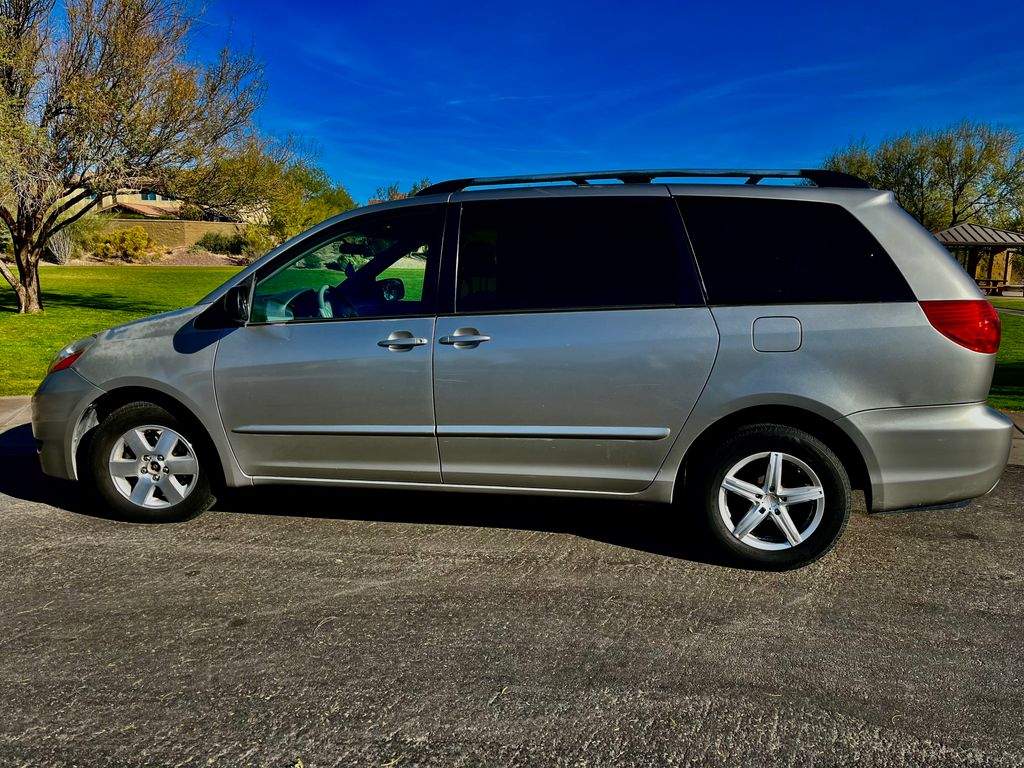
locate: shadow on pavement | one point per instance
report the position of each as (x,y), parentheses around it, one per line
(652,528)
(646,527)
(22,478)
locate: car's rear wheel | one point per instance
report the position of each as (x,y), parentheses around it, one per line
(144,465)
(773,496)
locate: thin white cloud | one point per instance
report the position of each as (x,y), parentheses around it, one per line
(495,98)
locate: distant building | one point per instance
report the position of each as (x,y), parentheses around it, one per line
(140,203)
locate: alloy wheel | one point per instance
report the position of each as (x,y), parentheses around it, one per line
(153,466)
(771,501)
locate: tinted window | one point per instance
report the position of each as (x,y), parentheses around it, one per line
(572,253)
(371,266)
(760,251)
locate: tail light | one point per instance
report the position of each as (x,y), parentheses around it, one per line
(971,323)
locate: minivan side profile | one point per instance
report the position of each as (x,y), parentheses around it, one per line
(748,353)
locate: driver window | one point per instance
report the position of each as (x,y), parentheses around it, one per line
(373,266)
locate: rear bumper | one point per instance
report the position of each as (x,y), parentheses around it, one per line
(930,455)
(57,408)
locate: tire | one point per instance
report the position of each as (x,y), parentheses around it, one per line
(177,485)
(786,533)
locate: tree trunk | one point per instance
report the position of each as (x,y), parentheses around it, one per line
(30,298)
(28,250)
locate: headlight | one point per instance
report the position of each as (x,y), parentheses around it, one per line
(70,353)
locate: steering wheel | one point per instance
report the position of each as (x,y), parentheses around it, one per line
(348,309)
(325,306)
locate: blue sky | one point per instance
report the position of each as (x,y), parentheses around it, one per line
(393,91)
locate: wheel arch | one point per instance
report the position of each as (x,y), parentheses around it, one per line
(110,401)
(791,416)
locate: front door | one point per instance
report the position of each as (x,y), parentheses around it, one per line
(578,343)
(331,379)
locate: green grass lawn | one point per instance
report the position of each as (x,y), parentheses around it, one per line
(82,300)
(1008,384)
(1008,303)
(412,279)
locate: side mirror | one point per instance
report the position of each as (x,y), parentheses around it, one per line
(232,309)
(391,289)
(238,302)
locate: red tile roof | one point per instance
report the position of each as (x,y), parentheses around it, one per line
(153,211)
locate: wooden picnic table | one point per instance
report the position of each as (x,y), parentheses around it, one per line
(995,287)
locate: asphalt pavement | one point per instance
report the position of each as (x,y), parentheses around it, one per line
(315,628)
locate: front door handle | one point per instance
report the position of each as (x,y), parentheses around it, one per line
(401,341)
(465,338)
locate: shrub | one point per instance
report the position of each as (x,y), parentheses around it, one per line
(74,240)
(257,241)
(131,244)
(60,248)
(251,242)
(84,232)
(221,242)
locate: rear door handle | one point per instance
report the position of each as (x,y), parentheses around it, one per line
(401,341)
(465,338)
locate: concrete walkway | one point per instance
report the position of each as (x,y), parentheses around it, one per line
(15,411)
(1017,451)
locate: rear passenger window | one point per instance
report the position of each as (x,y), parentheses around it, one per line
(572,253)
(763,251)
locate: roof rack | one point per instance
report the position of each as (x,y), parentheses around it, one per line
(819,177)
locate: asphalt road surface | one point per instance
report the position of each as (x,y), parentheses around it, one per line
(380,629)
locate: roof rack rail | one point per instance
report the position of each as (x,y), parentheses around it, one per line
(820,177)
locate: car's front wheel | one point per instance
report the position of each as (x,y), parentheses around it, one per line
(145,467)
(773,496)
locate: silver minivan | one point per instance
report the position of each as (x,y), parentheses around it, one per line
(745,352)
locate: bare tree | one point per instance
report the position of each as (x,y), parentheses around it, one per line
(102,98)
(390,192)
(394,191)
(979,169)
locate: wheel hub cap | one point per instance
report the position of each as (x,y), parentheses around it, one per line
(764,513)
(153,466)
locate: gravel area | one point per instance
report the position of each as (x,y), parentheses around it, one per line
(314,628)
(177,257)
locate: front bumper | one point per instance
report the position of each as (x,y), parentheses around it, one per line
(57,409)
(930,455)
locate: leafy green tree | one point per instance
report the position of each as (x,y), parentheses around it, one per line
(306,196)
(100,96)
(968,172)
(265,183)
(234,183)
